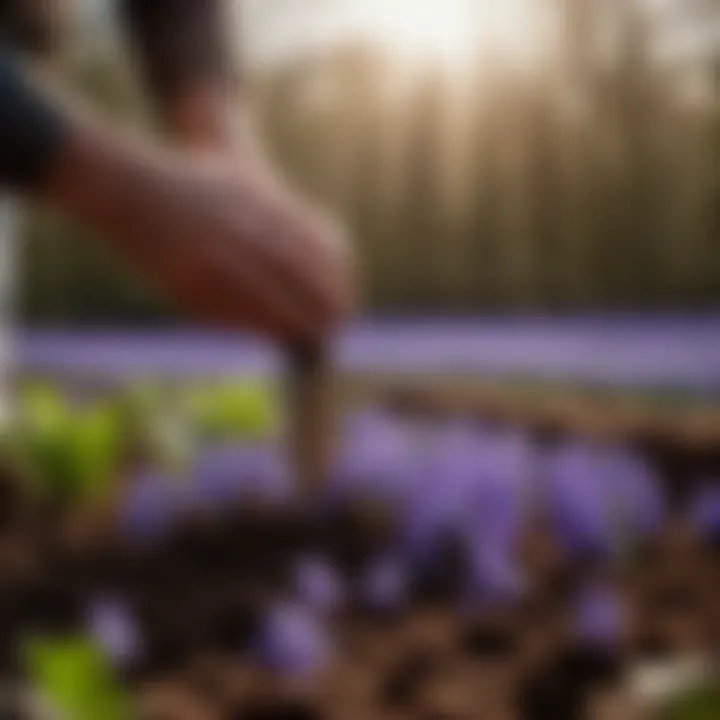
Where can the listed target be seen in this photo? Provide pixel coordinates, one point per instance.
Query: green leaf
(700, 704)
(94, 448)
(240, 410)
(74, 678)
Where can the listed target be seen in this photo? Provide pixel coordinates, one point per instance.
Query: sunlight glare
(452, 31)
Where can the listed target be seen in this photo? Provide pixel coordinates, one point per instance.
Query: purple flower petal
(293, 642)
(113, 626)
(228, 473)
(601, 499)
(450, 468)
(375, 456)
(705, 510)
(385, 585)
(599, 616)
(150, 507)
(319, 585)
(493, 575)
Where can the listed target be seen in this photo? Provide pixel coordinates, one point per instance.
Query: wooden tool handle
(309, 415)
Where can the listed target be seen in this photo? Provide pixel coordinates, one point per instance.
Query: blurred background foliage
(72, 447)
(584, 177)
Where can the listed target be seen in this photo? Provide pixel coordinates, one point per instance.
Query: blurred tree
(590, 180)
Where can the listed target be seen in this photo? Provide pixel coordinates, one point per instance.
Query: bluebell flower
(375, 457)
(705, 511)
(601, 499)
(233, 472)
(112, 625)
(319, 585)
(293, 641)
(599, 616)
(385, 584)
(150, 507)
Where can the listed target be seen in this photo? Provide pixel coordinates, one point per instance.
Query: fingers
(300, 246)
(309, 268)
(301, 252)
(263, 270)
(223, 243)
(294, 272)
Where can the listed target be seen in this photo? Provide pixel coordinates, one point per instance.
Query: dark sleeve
(180, 43)
(32, 129)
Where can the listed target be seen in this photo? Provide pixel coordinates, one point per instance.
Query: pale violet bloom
(232, 472)
(151, 506)
(600, 615)
(602, 499)
(375, 456)
(385, 584)
(112, 625)
(319, 585)
(705, 510)
(293, 641)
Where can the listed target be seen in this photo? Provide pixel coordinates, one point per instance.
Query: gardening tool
(309, 414)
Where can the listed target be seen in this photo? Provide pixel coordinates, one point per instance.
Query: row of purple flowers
(682, 352)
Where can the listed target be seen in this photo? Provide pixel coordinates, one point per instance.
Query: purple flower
(639, 490)
(496, 507)
(476, 487)
(150, 506)
(375, 456)
(113, 626)
(491, 537)
(293, 641)
(228, 473)
(599, 615)
(270, 478)
(384, 585)
(705, 510)
(601, 499)
(218, 474)
(450, 468)
(319, 585)
(509, 455)
(493, 575)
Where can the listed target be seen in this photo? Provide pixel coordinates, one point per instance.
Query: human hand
(221, 238)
